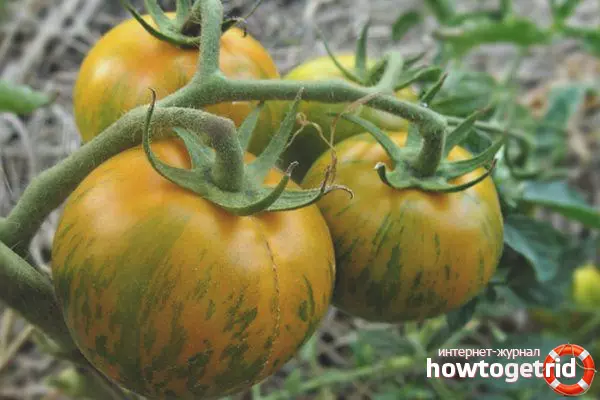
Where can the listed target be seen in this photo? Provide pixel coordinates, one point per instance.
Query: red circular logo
(588, 366)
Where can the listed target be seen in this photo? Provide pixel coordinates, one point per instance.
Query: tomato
(406, 254)
(127, 61)
(585, 296)
(172, 296)
(308, 145)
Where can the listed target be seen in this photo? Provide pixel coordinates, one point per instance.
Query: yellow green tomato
(585, 295)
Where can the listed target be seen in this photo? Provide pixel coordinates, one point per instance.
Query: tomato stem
(211, 12)
(431, 153)
(49, 189)
(31, 294)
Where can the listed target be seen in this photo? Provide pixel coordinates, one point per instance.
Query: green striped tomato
(406, 254)
(127, 61)
(175, 298)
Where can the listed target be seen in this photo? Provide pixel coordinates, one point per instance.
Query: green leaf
(404, 23)
(563, 199)
(590, 38)
(309, 352)
(21, 99)
(442, 9)
(360, 65)
(537, 241)
(515, 30)
(506, 8)
(464, 92)
(563, 103)
(458, 318)
(293, 381)
(563, 9)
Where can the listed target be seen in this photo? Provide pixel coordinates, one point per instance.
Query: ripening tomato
(127, 61)
(308, 145)
(407, 254)
(585, 296)
(172, 296)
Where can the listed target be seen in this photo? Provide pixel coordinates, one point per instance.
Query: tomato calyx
(221, 177)
(405, 172)
(391, 73)
(184, 29)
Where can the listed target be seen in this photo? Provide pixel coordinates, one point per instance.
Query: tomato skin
(406, 254)
(175, 298)
(308, 145)
(119, 70)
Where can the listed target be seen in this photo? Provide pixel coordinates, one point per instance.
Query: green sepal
(200, 155)
(403, 176)
(410, 61)
(400, 179)
(252, 197)
(391, 148)
(163, 22)
(167, 34)
(430, 94)
(451, 170)
(182, 11)
(375, 73)
(345, 71)
(461, 132)
(248, 126)
(260, 167)
(410, 76)
(361, 56)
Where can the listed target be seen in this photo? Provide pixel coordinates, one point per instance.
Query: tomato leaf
(20, 99)
(293, 381)
(382, 342)
(563, 9)
(589, 37)
(404, 23)
(458, 318)
(464, 92)
(537, 241)
(559, 197)
(563, 103)
(442, 9)
(515, 30)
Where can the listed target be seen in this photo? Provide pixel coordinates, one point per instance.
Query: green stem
(31, 294)
(387, 83)
(389, 366)
(431, 154)
(211, 12)
(191, 26)
(47, 191)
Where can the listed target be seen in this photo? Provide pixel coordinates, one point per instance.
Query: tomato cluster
(176, 298)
